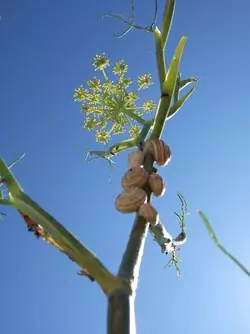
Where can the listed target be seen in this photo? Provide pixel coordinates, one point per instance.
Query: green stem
(134, 116)
(131, 261)
(105, 75)
(144, 132)
(160, 117)
(129, 271)
(121, 314)
(121, 146)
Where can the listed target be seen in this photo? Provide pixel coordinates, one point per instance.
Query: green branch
(81, 254)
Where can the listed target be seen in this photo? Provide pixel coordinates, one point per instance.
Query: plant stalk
(121, 308)
(121, 317)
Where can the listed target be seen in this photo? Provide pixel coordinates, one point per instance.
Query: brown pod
(135, 177)
(130, 200)
(148, 212)
(160, 151)
(135, 159)
(156, 185)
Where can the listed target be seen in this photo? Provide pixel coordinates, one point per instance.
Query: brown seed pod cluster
(133, 183)
(130, 200)
(135, 159)
(156, 185)
(148, 212)
(160, 151)
(162, 156)
(136, 179)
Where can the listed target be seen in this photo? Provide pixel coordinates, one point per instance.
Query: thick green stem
(160, 117)
(131, 261)
(121, 318)
(122, 321)
(121, 314)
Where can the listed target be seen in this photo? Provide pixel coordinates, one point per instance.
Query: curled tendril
(155, 15)
(131, 24)
(101, 154)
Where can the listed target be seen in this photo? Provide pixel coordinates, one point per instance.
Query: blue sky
(46, 51)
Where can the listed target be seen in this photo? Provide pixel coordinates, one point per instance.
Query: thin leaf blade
(208, 227)
(186, 82)
(217, 243)
(173, 71)
(177, 106)
(167, 20)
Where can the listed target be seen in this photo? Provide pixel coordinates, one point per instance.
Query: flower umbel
(109, 107)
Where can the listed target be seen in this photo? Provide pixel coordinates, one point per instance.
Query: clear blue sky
(46, 51)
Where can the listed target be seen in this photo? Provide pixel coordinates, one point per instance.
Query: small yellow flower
(134, 131)
(100, 62)
(144, 81)
(148, 106)
(80, 94)
(120, 68)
